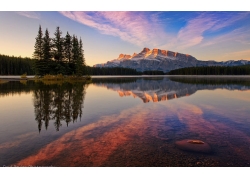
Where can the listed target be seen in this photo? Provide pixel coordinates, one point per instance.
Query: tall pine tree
(47, 55)
(58, 45)
(81, 53)
(38, 53)
(75, 53)
(80, 64)
(67, 47)
(46, 62)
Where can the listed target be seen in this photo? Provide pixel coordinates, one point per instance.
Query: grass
(24, 76)
(59, 78)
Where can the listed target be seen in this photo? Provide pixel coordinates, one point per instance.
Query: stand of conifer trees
(111, 71)
(58, 55)
(10, 65)
(213, 70)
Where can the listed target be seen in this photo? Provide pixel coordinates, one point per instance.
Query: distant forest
(111, 71)
(118, 71)
(213, 70)
(10, 65)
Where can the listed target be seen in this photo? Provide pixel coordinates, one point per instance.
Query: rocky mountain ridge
(163, 60)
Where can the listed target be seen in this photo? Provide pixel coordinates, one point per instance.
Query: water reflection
(16, 87)
(126, 132)
(163, 89)
(58, 102)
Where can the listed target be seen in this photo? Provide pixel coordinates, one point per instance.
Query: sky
(206, 35)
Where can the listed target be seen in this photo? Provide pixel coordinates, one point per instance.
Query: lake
(126, 121)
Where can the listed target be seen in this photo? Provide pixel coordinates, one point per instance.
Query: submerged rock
(193, 145)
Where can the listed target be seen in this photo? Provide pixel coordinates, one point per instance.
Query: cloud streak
(240, 35)
(29, 14)
(196, 29)
(225, 19)
(192, 33)
(134, 27)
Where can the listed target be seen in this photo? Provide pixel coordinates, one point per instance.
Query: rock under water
(193, 146)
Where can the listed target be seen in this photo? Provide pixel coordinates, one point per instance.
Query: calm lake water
(126, 122)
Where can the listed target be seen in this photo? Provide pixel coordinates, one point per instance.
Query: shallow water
(125, 122)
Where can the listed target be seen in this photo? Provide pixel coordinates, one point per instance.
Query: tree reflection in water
(58, 102)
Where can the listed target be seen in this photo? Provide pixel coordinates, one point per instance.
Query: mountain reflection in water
(163, 89)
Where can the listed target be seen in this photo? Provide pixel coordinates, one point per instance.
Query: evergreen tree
(75, 54)
(38, 53)
(58, 46)
(81, 53)
(43, 66)
(80, 64)
(75, 49)
(67, 47)
(47, 47)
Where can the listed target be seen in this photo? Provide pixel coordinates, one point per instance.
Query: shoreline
(18, 78)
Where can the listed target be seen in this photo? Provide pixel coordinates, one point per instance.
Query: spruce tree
(46, 62)
(47, 46)
(67, 47)
(38, 53)
(80, 61)
(81, 53)
(75, 49)
(58, 45)
(75, 53)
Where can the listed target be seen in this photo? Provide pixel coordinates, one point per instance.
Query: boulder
(193, 146)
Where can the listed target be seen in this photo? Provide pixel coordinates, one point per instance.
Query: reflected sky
(123, 130)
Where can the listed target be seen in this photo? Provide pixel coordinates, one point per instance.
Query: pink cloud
(133, 27)
(192, 33)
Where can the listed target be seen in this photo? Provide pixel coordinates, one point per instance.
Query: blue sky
(213, 35)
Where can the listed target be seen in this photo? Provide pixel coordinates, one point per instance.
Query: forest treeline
(111, 71)
(213, 70)
(10, 65)
(118, 71)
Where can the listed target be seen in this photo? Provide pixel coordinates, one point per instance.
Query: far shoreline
(18, 77)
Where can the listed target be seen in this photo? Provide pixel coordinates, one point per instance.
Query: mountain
(163, 60)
